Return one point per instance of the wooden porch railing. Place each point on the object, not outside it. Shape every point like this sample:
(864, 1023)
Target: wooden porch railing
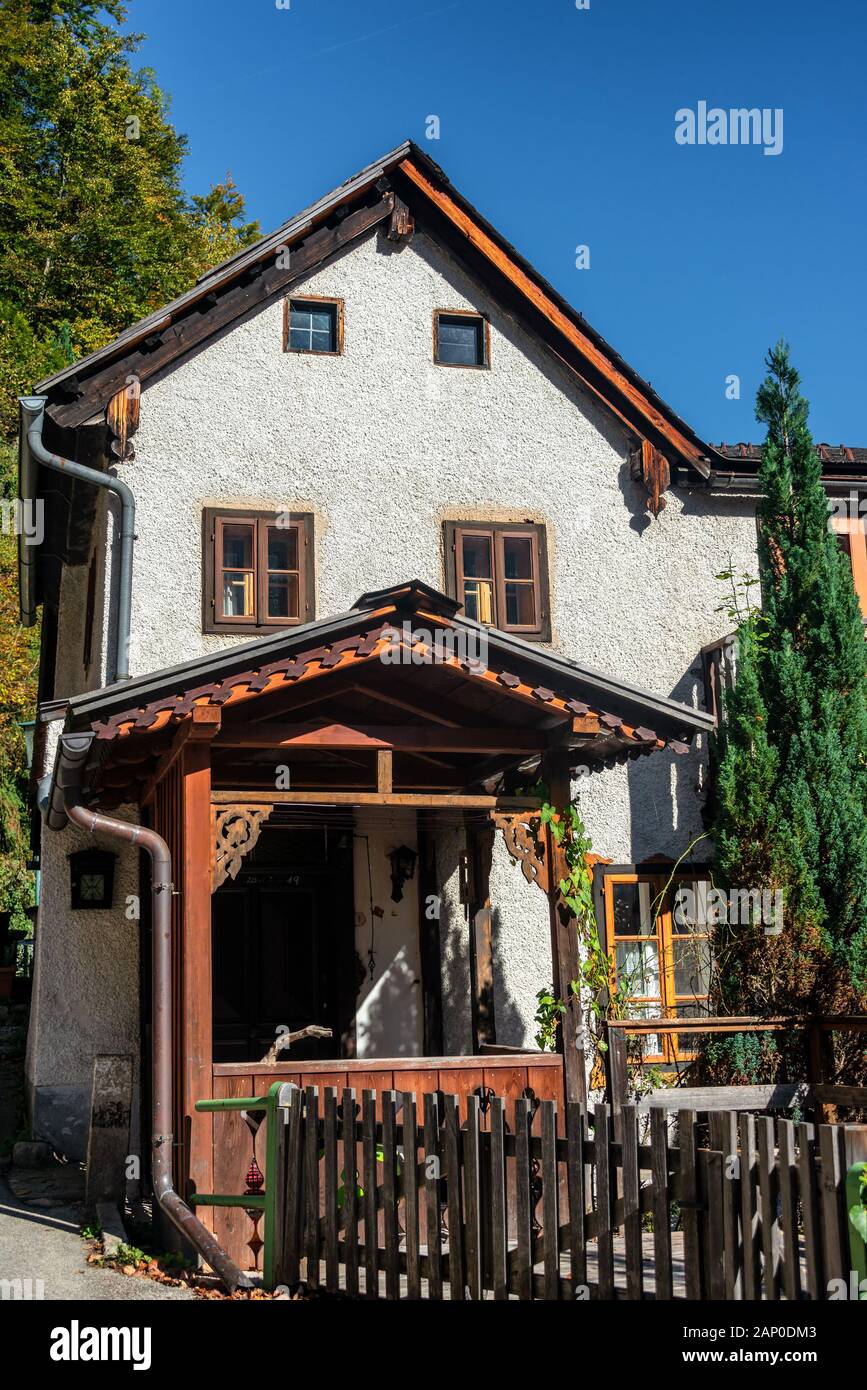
(817, 1090)
(380, 1200)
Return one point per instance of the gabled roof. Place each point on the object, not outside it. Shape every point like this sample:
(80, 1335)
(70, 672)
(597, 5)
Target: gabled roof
(408, 176)
(334, 669)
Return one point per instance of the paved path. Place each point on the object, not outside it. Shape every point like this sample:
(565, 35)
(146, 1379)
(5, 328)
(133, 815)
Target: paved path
(43, 1244)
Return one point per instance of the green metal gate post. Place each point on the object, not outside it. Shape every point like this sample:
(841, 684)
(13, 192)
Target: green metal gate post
(274, 1104)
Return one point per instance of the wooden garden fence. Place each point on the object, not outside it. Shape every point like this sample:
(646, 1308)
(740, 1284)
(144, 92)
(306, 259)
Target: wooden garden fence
(513, 1198)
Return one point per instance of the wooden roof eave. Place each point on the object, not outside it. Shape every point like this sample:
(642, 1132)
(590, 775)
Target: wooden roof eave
(244, 260)
(129, 754)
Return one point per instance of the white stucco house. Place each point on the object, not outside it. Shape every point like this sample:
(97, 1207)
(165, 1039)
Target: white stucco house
(378, 419)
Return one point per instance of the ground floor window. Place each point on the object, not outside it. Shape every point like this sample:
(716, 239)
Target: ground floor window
(656, 929)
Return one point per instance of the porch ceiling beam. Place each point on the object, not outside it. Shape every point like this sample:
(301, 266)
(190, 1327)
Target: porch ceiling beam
(412, 707)
(412, 799)
(407, 739)
(490, 768)
(384, 771)
(201, 724)
(311, 784)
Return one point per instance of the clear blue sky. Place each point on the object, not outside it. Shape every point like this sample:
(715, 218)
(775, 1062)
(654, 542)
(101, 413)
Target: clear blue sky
(558, 124)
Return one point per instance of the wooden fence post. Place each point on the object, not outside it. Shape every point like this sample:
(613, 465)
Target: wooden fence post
(689, 1202)
(452, 1116)
(499, 1203)
(275, 1186)
(789, 1209)
(311, 1188)
(768, 1202)
(389, 1193)
(711, 1181)
(616, 1068)
(855, 1154)
(293, 1231)
(809, 1191)
(724, 1137)
(550, 1201)
(631, 1202)
(749, 1208)
(661, 1212)
(604, 1235)
(433, 1194)
(575, 1133)
(371, 1214)
(522, 1259)
(410, 1194)
(834, 1221)
(350, 1190)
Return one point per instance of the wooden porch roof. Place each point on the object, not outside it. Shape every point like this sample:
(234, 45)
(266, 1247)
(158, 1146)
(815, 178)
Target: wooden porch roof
(331, 697)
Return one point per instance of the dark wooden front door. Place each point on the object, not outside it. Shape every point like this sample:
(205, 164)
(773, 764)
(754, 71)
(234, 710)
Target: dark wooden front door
(283, 957)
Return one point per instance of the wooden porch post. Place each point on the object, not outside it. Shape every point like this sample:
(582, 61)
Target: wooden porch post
(196, 1022)
(480, 846)
(429, 937)
(564, 939)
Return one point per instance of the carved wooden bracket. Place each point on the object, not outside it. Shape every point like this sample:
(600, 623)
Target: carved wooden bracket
(402, 223)
(235, 831)
(122, 418)
(651, 467)
(526, 844)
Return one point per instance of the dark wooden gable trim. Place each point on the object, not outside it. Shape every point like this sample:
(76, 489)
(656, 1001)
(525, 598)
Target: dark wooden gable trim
(175, 339)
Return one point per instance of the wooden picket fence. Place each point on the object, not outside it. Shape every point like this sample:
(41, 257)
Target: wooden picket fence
(513, 1199)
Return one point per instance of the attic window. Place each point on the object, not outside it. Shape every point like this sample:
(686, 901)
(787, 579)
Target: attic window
(314, 325)
(461, 339)
(258, 570)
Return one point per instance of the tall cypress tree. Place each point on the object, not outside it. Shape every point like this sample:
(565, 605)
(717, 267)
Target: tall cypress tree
(791, 756)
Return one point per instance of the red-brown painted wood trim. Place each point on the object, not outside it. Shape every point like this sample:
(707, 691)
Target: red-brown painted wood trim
(196, 1047)
(541, 301)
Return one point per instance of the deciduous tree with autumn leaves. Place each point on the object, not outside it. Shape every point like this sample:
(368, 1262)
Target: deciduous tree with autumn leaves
(96, 231)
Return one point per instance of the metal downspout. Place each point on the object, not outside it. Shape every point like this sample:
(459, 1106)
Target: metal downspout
(172, 1204)
(161, 890)
(33, 408)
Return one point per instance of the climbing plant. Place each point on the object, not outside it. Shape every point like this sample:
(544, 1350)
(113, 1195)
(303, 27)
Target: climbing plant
(600, 994)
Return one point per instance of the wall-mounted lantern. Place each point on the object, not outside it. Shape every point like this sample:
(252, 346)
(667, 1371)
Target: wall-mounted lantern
(92, 878)
(402, 869)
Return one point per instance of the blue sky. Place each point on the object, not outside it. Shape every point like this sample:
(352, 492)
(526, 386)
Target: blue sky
(558, 124)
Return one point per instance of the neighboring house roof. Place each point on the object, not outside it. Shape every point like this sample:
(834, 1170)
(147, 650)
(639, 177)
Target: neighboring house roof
(838, 460)
(518, 684)
(168, 335)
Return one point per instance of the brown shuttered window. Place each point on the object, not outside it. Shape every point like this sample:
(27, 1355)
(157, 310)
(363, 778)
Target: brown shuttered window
(258, 571)
(499, 572)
